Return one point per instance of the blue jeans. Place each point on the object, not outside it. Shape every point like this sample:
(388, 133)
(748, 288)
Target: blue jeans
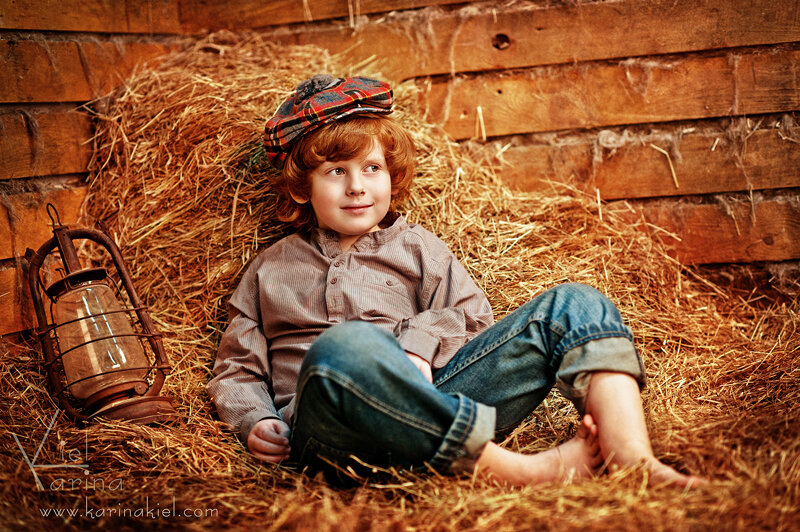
(358, 394)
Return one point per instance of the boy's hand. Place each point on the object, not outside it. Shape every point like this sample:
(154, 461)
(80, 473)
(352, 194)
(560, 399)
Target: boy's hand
(422, 365)
(269, 440)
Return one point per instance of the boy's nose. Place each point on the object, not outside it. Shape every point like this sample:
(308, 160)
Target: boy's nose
(355, 187)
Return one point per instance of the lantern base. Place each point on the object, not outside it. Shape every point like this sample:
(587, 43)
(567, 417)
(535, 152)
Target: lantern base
(142, 410)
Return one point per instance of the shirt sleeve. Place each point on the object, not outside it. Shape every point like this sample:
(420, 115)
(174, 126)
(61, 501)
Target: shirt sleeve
(457, 311)
(240, 387)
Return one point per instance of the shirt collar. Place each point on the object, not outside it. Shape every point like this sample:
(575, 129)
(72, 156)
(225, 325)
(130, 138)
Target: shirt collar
(328, 240)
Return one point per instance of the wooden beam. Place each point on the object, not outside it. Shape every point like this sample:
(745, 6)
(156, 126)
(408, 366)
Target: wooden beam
(199, 15)
(768, 230)
(708, 162)
(24, 222)
(703, 165)
(67, 71)
(129, 16)
(16, 310)
(43, 144)
(474, 38)
(605, 94)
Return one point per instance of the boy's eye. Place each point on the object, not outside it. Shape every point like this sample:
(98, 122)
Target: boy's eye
(336, 171)
(373, 168)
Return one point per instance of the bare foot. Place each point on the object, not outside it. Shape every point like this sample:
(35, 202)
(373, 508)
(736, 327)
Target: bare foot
(662, 474)
(575, 459)
(616, 406)
(580, 457)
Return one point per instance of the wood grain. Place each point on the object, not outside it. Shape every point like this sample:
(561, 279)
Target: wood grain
(715, 162)
(16, 310)
(472, 39)
(24, 222)
(44, 144)
(618, 93)
(198, 15)
(67, 71)
(768, 230)
(107, 16)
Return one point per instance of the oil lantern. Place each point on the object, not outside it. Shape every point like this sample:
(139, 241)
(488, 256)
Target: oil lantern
(102, 355)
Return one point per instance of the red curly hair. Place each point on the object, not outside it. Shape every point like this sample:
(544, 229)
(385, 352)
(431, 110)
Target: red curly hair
(338, 141)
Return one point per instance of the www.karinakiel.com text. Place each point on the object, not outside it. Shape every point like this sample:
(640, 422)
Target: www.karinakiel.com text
(148, 511)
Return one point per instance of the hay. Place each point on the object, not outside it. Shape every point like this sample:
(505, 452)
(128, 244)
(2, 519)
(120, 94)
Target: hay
(182, 186)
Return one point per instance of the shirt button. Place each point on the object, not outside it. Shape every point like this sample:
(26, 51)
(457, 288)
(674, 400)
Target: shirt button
(337, 263)
(389, 282)
(333, 281)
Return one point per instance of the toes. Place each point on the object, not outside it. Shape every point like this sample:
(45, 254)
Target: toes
(596, 460)
(664, 474)
(583, 431)
(587, 427)
(696, 482)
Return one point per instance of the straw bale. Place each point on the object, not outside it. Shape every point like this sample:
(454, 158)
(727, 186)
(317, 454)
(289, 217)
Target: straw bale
(181, 183)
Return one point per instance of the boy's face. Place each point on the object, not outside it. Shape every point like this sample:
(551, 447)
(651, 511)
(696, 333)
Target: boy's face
(352, 196)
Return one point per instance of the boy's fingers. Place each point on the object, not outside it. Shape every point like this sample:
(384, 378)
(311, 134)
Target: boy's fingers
(265, 447)
(268, 435)
(272, 458)
(276, 433)
(583, 430)
(284, 430)
(277, 446)
(421, 365)
(427, 372)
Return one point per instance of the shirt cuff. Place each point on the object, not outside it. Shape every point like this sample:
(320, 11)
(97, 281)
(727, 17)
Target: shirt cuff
(420, 343)
(249, 421)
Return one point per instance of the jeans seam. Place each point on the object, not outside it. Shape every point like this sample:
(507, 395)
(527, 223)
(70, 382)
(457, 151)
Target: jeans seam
(595, 336)
(584, 338)
(353, 388)
(483, 352)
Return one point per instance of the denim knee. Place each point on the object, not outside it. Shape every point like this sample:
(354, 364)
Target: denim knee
(577, 313)
(358, 393)
(349, 348)
(584, 302)
(596, 340)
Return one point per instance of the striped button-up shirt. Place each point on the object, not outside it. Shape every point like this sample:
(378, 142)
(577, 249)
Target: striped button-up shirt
(401, 278)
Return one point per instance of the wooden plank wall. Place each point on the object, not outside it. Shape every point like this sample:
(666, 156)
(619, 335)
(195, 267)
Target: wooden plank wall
(682, 108)
(606, 95)
(54, 57)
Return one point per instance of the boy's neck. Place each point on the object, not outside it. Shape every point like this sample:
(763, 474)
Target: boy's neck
(346, 242)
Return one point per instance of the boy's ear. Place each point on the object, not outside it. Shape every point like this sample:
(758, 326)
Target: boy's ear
(395, 191)
(298, 199)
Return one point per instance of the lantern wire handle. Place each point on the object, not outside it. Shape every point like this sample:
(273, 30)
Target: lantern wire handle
(57, 220)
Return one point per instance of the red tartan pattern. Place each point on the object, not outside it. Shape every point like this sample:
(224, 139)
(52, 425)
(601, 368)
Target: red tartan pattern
(302, 113)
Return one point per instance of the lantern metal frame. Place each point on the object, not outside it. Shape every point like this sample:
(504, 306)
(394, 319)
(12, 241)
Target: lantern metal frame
(145, 407)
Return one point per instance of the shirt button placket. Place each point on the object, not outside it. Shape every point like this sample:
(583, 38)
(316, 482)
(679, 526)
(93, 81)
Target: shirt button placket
(333, 294)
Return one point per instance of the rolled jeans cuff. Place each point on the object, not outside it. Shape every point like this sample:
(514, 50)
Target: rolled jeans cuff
(615, 354)
(472, 428)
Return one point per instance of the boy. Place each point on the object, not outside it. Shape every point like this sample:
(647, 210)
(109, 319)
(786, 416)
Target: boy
(361, 335)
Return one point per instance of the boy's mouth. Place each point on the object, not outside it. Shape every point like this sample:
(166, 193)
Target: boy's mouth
(357, 208)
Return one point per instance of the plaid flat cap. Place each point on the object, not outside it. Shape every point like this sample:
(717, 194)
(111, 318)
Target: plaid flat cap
(320, 100)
